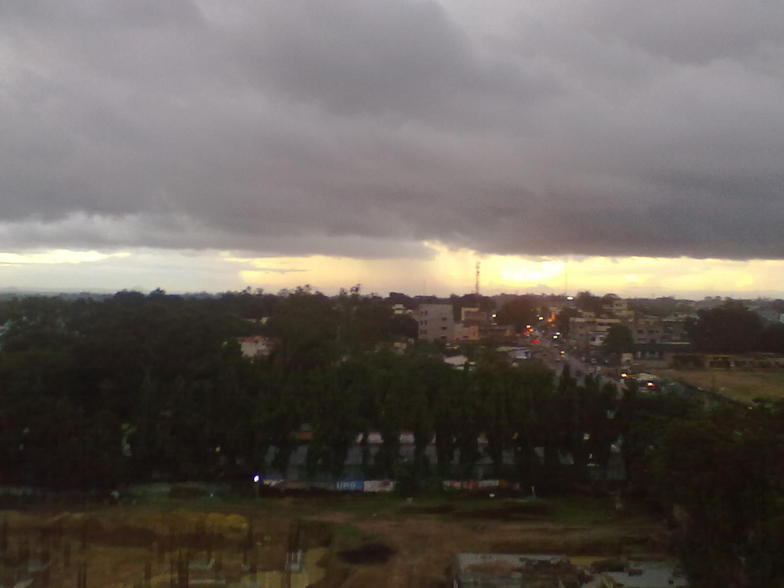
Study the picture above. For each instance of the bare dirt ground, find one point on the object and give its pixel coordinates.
(425, 545)
(139, 545)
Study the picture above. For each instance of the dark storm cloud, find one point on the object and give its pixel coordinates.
(362, 127)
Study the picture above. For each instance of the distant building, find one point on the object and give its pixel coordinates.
(473, 316)
(648, 330)
(435, 322)
(657, 331)
(400, 309)
(665, 352)
(587, 332)
(504, 570)
(674, 329)
(498, 334)
(256, 346)
(466, 333)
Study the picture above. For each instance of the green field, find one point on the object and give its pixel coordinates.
(742, 385)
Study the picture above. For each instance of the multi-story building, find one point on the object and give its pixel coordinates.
(674, 329)
(435, 322)
(586, 332)
(647, 330)
(652, 329)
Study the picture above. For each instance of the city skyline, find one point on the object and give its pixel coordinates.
(445, 273)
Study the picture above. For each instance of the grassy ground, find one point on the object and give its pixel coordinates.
(740, 385)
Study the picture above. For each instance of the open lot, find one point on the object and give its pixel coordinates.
(349, 541)
(742, 385)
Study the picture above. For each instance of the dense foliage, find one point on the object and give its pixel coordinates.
(518, 312)
(725, 475)
(134, 387)
(619, 339)
(729, 328)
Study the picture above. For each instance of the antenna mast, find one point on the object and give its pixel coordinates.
(476, 288)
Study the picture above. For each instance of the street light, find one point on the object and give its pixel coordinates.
(256, 483)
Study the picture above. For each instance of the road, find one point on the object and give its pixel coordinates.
(578, 368)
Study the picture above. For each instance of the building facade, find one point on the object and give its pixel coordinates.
(435, 322)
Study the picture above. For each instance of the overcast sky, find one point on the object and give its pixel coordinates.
(208, 135)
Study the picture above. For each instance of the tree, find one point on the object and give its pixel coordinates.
(562, 320)
(587, 302)
(619, 339)
(307, 328)
(724, 473)
(402, 325)
(661, 307)
(729, 328)
(483, 303)
(643, 421)
(517, 312)
(772, 338)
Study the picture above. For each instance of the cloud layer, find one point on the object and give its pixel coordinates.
(363, 127)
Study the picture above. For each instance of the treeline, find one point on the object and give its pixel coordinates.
(721, 476)
(733, 328)
(96, 393)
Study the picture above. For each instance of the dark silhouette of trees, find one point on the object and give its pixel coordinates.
(562, 320)
(619, 339)
(724, 473)
(772, 338)
(729, 328)
(100, 392)
(518, 312)
(587, 302)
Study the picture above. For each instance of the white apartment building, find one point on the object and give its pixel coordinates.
(435, 321)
